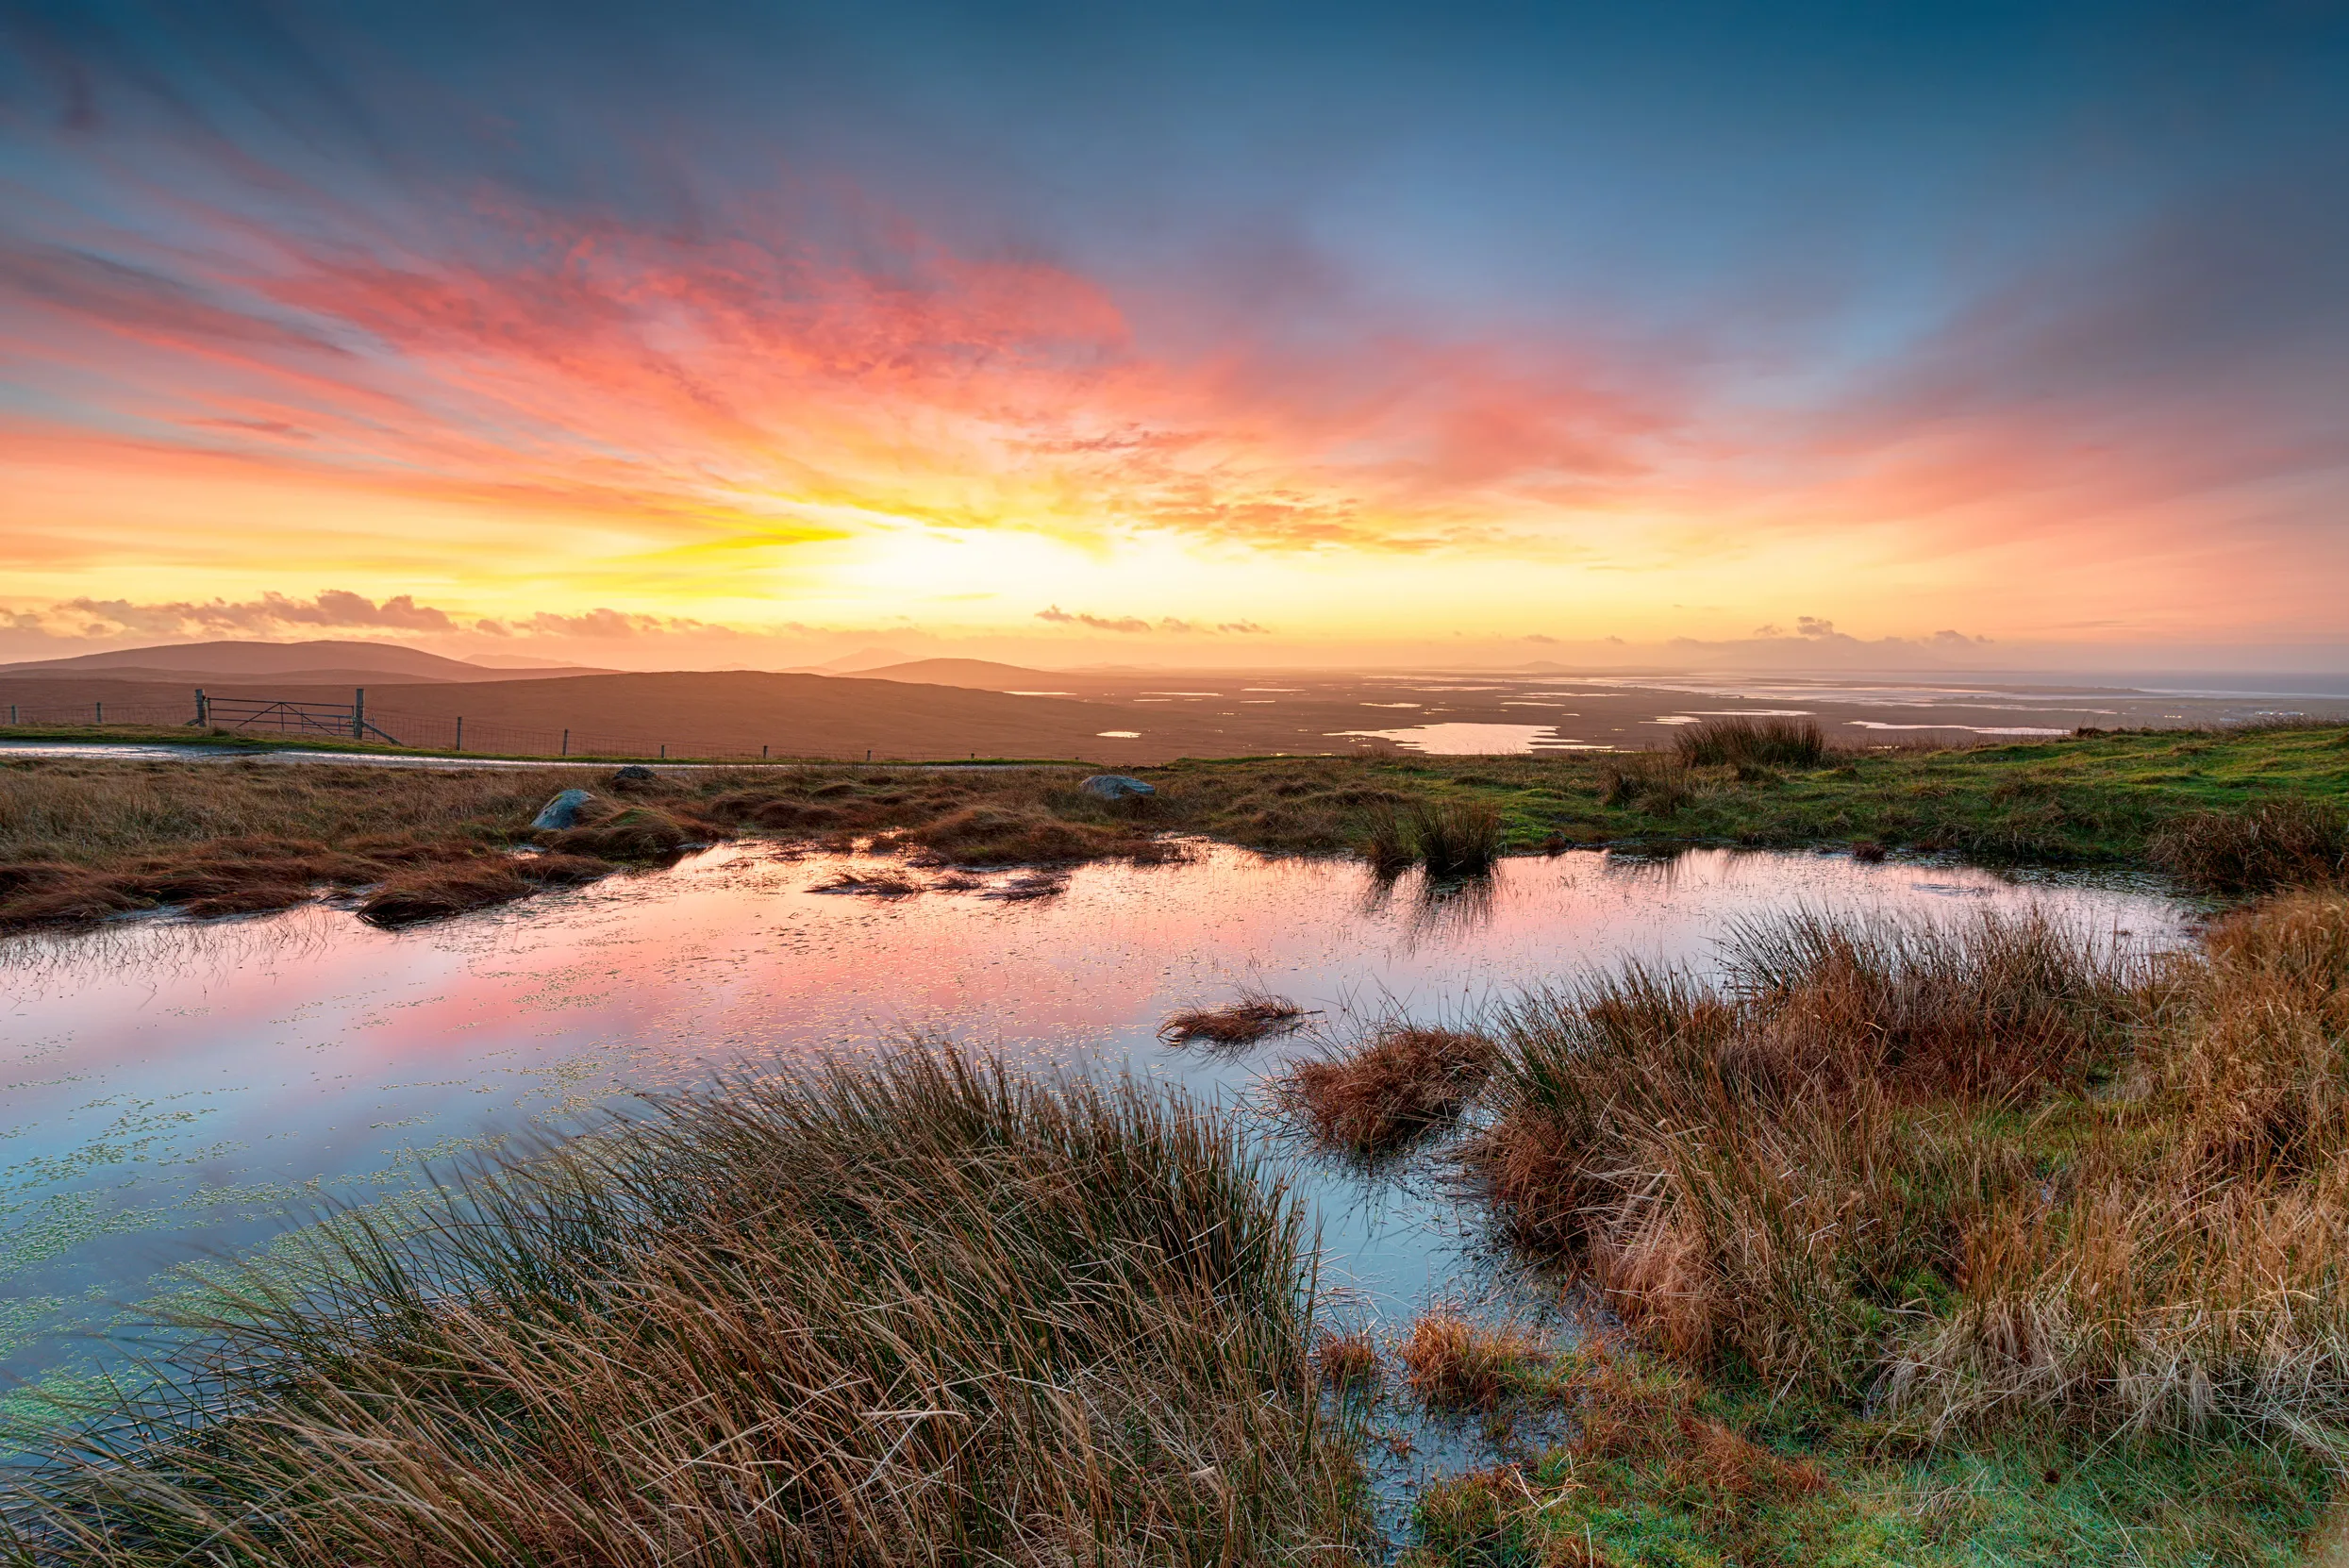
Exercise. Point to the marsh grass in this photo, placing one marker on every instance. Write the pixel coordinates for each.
(2285, 842)
(1404, 1082)
(1989, 1177)
(1452, 1362)
(921, 1312)
(871, 884)
(1659, 1465)
(1256, 1015)
(1348, 1360)
(83, 840)
(1453, 837)
(1456, 837)
(1655, 782)
(1752, 743)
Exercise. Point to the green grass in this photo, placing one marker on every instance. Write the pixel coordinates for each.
(1665, 1469)
(2083, 800)
(131, 831)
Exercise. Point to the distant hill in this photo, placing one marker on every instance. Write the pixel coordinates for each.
(511, 664)
(975, 674)
(222, 680)
(861, 662)
(322, 662)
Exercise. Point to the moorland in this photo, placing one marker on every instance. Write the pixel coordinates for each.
(1985, 1242)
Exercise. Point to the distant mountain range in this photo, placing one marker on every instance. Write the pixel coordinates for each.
(316, 663)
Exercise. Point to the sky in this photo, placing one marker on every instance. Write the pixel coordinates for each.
(710, 334)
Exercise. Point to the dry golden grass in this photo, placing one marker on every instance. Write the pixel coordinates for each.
(1348, 1360)
(922, 1313)
(1453, 1363)
(1404, 1081)
(2288, 842)
(1989, 1175)
(1256, 1015)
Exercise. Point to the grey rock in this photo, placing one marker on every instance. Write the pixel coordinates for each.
(1115, 786)
(563, 810)
(634, 773)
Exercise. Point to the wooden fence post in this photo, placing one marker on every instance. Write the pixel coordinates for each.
(566, 742)
(358, 713)
(460, 733)
(101, 707)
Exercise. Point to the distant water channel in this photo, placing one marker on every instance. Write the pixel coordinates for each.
(173, 1092)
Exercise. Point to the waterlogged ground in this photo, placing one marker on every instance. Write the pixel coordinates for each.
(173, 1092)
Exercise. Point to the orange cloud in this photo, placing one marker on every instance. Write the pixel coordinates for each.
(730, 384)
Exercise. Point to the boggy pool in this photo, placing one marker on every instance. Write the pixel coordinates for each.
(173, 1092)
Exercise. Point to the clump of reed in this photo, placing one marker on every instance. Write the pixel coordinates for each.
(1453, 1362)
(1451, 837)
(1256, 1015)
(921, 1312)
(2288, 842)
(1752, 743)
(438, 889)
(1348, 1360)
(1869, 1163)
(870, 884)
(1405, 1080)
(1650, 781)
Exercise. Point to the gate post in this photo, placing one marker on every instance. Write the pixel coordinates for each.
(203, 708)
(358, 713)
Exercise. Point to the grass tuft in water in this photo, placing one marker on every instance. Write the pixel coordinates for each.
(1406, 1080)
(920, 1312)
(1256, 1015)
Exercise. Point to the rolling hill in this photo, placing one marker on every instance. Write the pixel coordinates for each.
(323, 662)
(976, 675)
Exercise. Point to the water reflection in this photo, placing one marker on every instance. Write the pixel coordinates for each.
(171, 1090)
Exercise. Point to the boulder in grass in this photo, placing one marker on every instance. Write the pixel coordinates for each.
(632, 775)
(561, 811)
(1115, 786)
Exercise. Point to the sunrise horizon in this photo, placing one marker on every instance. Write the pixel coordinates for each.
(1982, 338)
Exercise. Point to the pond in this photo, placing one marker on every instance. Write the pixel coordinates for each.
(172, 1092)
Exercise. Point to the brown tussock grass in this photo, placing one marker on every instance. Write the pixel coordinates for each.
(1348, 1360)
(1406, 1081)
(1256, 1015)
(2288, 842)
(874, 884)
(1989, 1176)
(83, 842)
(1453, 1363)
(919, 1314)
(1653, 781)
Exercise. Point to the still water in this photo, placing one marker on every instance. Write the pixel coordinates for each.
(173, 1092)
(169, 1089)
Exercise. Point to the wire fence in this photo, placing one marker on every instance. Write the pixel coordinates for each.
(392, 729)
